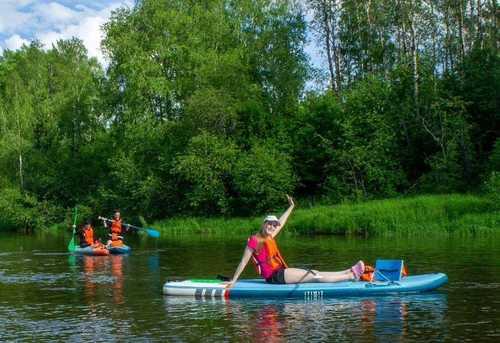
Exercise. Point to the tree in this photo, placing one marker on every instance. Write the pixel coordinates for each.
(207, 167)
(262, 177)
(366, 162)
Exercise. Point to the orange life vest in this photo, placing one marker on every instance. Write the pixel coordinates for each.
(369, 272)
(274, 258)
(116, 226)
(88, 235)
(115, 241)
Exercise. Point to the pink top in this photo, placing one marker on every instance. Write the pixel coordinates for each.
(265, 269)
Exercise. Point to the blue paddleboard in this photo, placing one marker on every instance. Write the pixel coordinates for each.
(259, 288)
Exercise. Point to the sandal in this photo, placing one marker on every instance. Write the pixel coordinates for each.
(358, 269)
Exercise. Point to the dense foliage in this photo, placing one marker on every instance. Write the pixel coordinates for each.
(204, 109)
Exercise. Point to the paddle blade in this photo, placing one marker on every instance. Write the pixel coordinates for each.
(153, 233)
(71, 245)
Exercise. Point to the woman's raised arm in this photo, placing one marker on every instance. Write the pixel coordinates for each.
(284, 217)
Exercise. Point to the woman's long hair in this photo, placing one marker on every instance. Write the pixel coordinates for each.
(261, 237)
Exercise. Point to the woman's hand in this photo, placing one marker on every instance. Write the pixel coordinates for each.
(290, 200)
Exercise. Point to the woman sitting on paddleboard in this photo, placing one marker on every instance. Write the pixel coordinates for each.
(272, 267)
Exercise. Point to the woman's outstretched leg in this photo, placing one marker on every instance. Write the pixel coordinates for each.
(353, 273)
(297, 275)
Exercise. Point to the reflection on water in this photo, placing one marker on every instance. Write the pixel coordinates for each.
(384, 319)
(98, 271)
(117, 272)
(47, 295)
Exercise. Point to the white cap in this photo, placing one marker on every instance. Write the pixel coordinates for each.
(271, 219)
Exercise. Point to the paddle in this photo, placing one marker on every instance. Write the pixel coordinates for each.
(71, 244)
(150, 231)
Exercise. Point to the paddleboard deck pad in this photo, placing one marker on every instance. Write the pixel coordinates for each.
(258, 288)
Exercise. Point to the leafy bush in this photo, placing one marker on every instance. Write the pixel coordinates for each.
(316, 136)
(492, 187)
(494, 163)
(366, 161)
(450, 132)
(23, 211)
(206, 167)
(262, 177)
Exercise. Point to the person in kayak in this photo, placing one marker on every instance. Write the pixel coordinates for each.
(87, 236)
(116, 227)
(262, 248)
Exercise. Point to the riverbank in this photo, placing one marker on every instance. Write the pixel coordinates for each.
(436, 214)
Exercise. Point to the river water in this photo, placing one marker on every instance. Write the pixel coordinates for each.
(47, 295)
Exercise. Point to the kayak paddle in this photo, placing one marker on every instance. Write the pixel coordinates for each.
(151, 232)
(71, 245)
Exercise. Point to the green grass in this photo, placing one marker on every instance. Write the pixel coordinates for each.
(421, 215)
(200, 225)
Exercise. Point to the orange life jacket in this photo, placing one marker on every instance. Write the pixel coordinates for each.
(88, 235)
(116, 243)
(116, 226)
(116, 240)
(368, 274)
(274, 258)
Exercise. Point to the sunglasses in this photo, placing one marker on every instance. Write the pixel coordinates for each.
(274, 223)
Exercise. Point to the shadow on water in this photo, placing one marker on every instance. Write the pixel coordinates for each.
(384, 319)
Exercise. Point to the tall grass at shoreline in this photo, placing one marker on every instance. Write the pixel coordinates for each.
(429, 214)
